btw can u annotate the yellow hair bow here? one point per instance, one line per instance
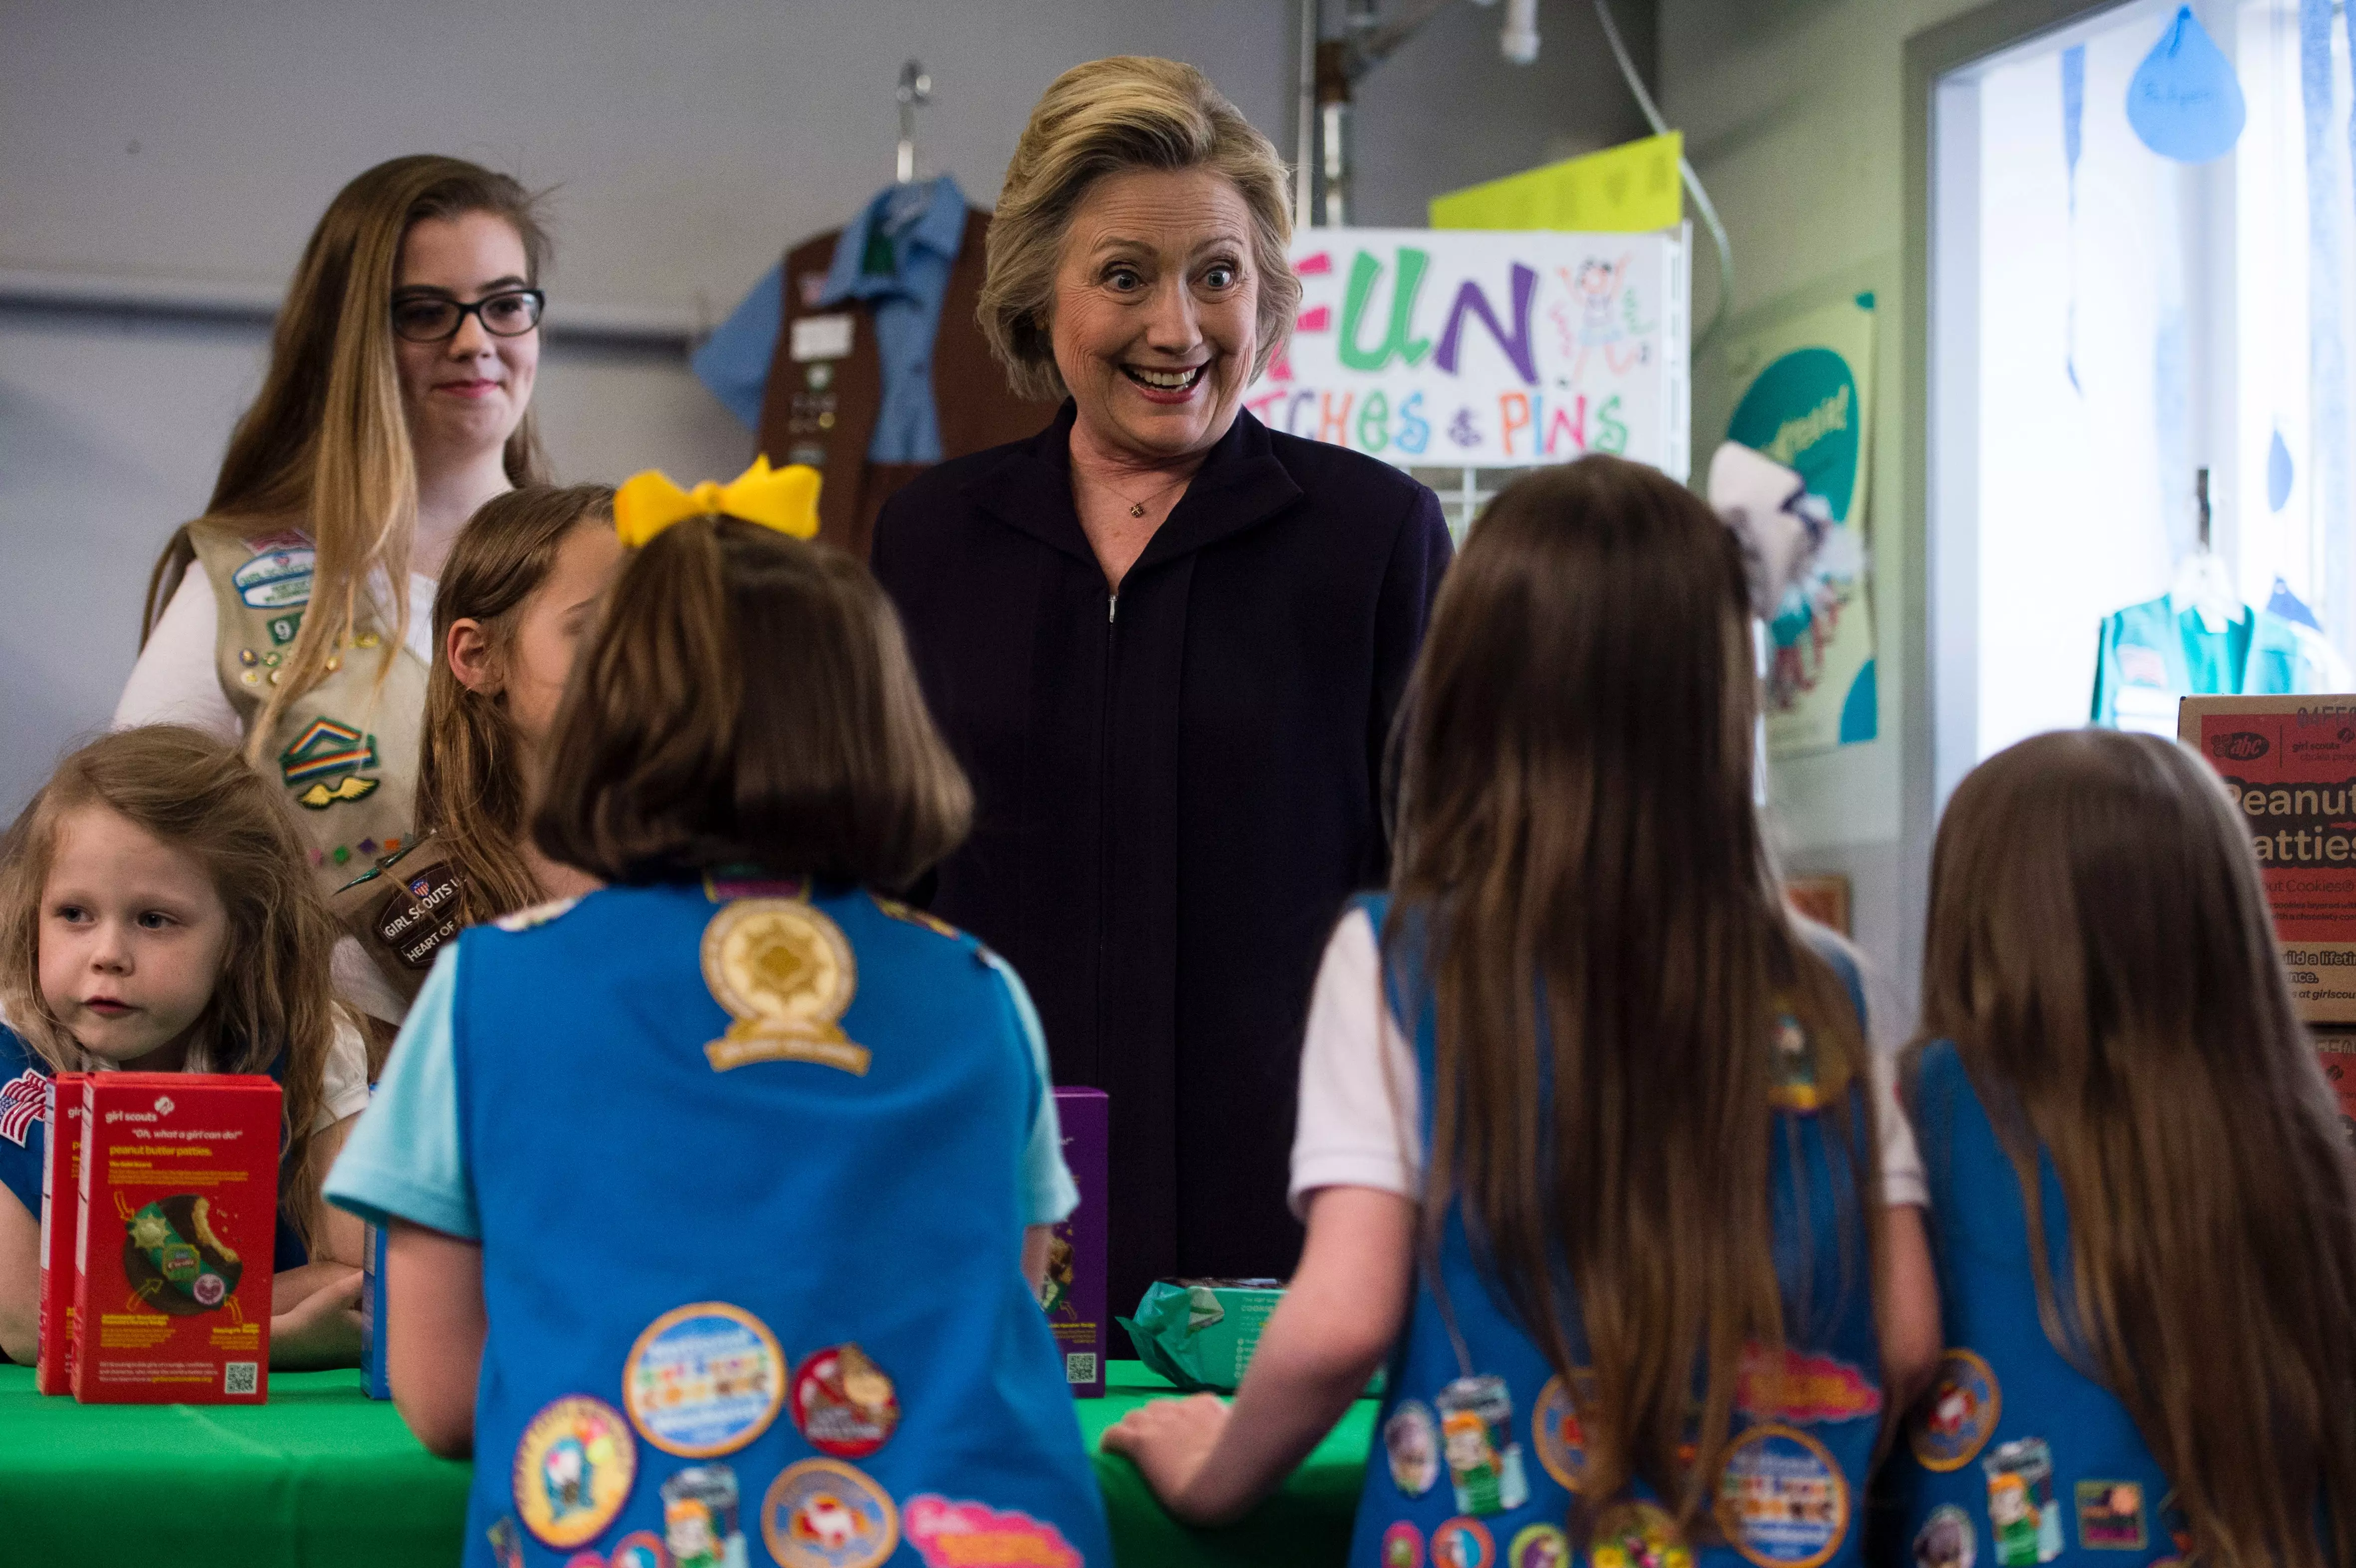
(785, 500)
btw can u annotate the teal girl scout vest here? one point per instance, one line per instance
(2015, 1457)
(747, 1169)
(1481, 1452)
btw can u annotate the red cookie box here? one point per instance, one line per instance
(2336, 1049)
(2289, 764)
(173, 1250)
(60, 1215)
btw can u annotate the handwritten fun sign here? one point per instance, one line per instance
(1479, 350)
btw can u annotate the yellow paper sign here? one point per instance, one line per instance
(1622, 189)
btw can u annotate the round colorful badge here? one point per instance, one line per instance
(572, 1470)
(1539, 1546)
(1411, 1443)
(1946, 1539)
(1954, 1421)
(1464, 1542)
(703, 1380)
(1783, 1502)
(1556, 1433)
(822, 1514)
(1638, 1535)
(1402, 1546)
(843, 1403)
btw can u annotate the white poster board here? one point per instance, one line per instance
(1473, 349)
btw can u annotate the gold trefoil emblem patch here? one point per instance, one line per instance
(786, 974)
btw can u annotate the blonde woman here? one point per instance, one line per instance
(397, 401)
(1165, 642)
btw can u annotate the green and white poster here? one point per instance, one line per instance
(1805, 400)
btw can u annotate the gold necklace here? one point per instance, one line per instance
(1137, 509)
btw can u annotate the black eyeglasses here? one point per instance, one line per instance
(432, 318)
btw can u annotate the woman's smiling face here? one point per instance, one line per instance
(1156, 315)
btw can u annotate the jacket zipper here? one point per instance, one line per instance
(1104, 816)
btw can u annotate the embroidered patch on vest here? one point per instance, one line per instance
(1539, 1546)
(419, 913)
(1411, 1444)
(1638, 1535)
(1809, 1389)
(277, 578)
(1462, 1543)
(1952, 1422)
(785, 973)
(821, 1513)
(1476, 1434)
(1783, 1502)
(1402, 1546)
(2110, 1515)
(1556, 1431)
(1946, 1539)
(639, 1549)
(2022, 1515)
(703, 1380)
(844, 1405)
(328, 757)
(572, 1470)
(700, 1520)
(963, 1535)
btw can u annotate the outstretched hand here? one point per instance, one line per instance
(1169, 1442)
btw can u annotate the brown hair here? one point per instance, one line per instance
(325, 443)
(1575, 832)
(2101, 953)
(194, 794)
(471, 788)
(1131, 111)
(748, 700)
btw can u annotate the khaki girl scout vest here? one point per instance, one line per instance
(347, 751)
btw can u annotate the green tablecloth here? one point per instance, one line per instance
(322, 1474)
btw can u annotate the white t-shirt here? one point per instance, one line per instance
(177, 678)
(1361, 1122)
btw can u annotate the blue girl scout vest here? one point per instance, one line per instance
(746, 1165)
(2015, 1457)
(1481, 1452)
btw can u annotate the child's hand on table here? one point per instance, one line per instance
(322, 1329)
(1168, 1441)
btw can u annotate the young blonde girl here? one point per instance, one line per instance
(1587, 1150)
(2142, 1201)
(735, 1104)
(156, 915)
(520, 589)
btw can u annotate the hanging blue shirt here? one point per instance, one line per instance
(2149, 654)
(908, 235)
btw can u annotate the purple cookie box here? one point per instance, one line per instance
(1077, 1262)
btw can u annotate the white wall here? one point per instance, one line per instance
(688, 143)
(1791, 110)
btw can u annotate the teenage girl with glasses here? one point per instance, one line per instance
(398, 400)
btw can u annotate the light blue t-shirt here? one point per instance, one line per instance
(405, 1159)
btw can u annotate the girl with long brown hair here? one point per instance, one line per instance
(520, 589)
(155, 915)
(397, 400)
(2141, 1198)
(1588, 1149)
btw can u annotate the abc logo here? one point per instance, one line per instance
(2240, 746)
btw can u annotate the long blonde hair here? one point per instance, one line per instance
(1609, 956)
(325, 443)
(471, 789)
(2101, 953)
(272, 995)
